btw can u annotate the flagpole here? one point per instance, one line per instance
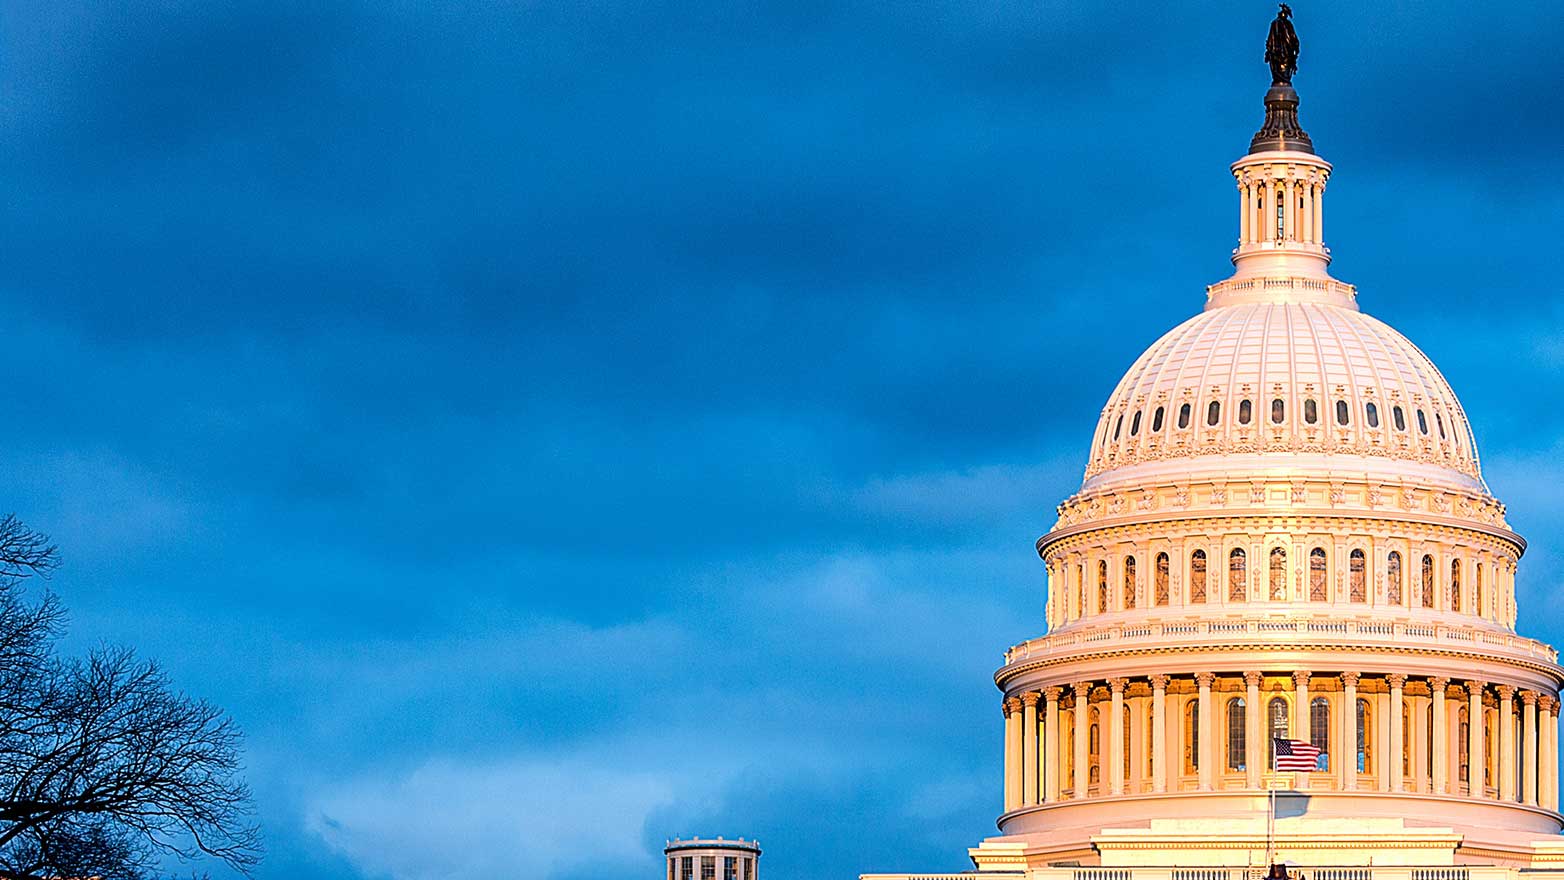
(1270, 813)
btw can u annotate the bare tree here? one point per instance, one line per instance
(105, 770)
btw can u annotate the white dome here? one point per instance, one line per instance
(1303, 385)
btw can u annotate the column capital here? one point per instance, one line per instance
(1396, 679)
(1506, 691)
(1030, 698)
(1301, 679)
(1204, 679)
(1439, 683)
(1082, 689)
(1529, 698)
(1350, 679)
(1474, 685)
(1160, 681)
(1252, 679)
(1546, 703)
(1052, 692)
(1011, 705)
(1117, 685)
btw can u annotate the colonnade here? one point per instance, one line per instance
(1285, 209)
(1209, 731)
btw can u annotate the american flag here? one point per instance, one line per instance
(1292, 754)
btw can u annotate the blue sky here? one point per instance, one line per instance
(553, 427)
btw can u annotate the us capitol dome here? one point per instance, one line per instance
(1283, 535)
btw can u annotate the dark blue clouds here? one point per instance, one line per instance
(660, 400)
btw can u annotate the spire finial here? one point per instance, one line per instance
(1281, 130)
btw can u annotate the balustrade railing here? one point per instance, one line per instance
(1266, 629)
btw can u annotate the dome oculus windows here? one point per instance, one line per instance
(1311, 412)
(1135, 424)
(1342, 413)
(1245, 412)
(1278, 411)
(1372, 413)
(1214, 413)
(1183, 417)
(1399, 418)
(1422, 423)
(1156, 420)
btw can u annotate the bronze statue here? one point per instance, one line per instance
(1281, 48)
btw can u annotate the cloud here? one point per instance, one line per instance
(451, 819)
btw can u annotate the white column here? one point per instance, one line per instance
(1307, 226)
(1529, 746)
(1319, 218)
(1349, 731)
(1506, 742)
(1116, 735)
(1245, 208)
(1289, 211)
(1012, 708)
(1300, 715)
(1082, 692)
(1476, 757)
(1547, 757)
(1053, 762)
(1270, 228)
(1441, 735)
(1420, 757)
(1029, 748)
(1255, 740)
(1203, 682)
(1397, 735)
(1159, 732)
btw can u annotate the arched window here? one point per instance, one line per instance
(1197, 577)
(1237, 576)
(1162, 579)
(1440, 421)
(1067, 737)
(1135, 424)
(1455, 585)
(1393, 578)
(1192, 737)
(1156, 420)
(1406, 741)
(1236, 728)
(1214, 413)
(1080, 590)
(1319, 730)
(1422, 422)
(1093, 749)
(1127, 749)
(1280, 724)
(1129, 582)
(1245, 412)
(1278, 411)
(1118, 426)
(1372, 411)
(1428, 582)
(1319, 589)
(1478, 585)
(1463, 749)
(1102, 587)
(1183, 417)
(1278, 574)
(1311, 411)
(1341, 413)
(1357, 576)
(1365, 738)
(1399, 417)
